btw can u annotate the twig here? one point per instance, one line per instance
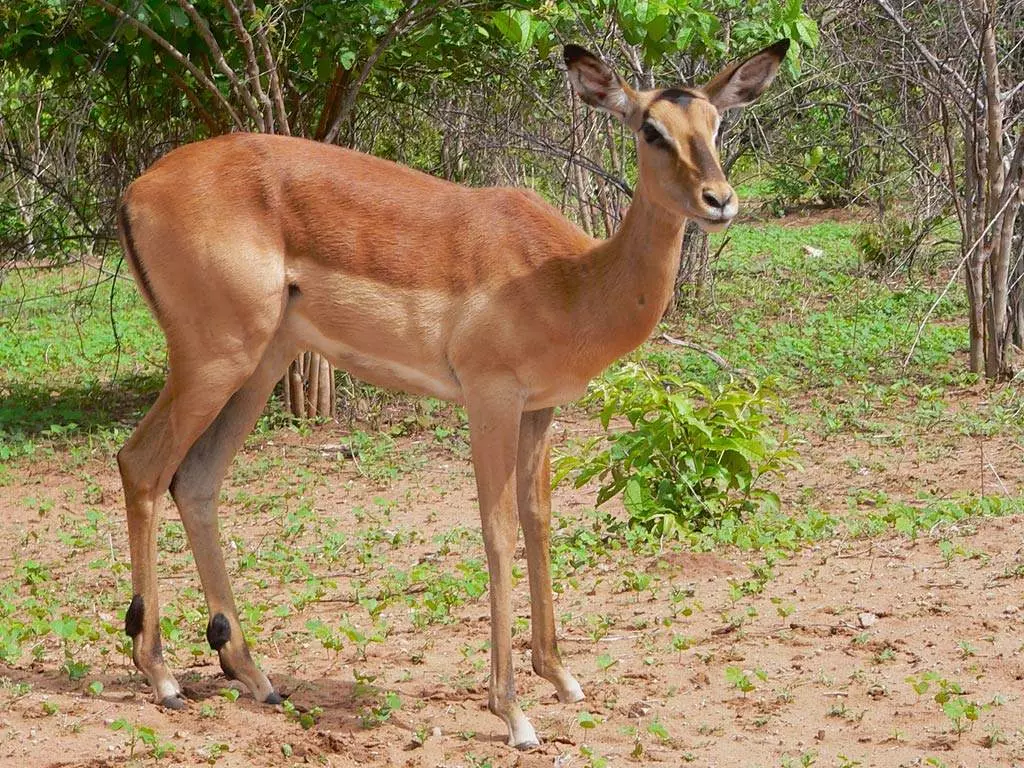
(942, 69)
(178, 56)
(253, 70)
(406, 20)
(716, 358)
(222, 64)
(271, 65)
(949, 284)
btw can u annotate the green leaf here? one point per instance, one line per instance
(807, 31)
(656, 728)
(178, 17)
(634, 496)
(657, 27)
(515, 26)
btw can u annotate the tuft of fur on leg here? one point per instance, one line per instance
(133, 617)
(218, 631)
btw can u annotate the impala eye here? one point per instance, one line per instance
(654, 136)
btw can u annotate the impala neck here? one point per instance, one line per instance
(641, 261)
(649, 233)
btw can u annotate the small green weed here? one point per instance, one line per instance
(949, 695)
(380, 712)
(145, 736)
(306, 718)
(740, 679)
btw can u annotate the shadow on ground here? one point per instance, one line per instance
(51, 410)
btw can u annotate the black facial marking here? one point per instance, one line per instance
(705, 160)
(133, 618)
(678, 95)
(218, 631)
(653, 136)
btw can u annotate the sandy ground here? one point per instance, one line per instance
(826, 648)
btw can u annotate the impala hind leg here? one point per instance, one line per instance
(494, 431)
(186, 406)
(196, 488)
(533, 473)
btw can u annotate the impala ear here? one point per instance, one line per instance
(598, 84)
(743, 81)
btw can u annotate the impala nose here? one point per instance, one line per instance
(716, 199)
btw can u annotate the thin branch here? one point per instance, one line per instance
(942, 69)
(178, 56)
(270, 63)
(222, 63)
(406, 20)
(716, 358)
(251, 67)
(204, 114)
(949, 284)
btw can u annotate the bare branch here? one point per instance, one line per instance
(221, 63)
(407, 20)
(178, 56)
(251, 67)
(271, 64)
(716, 358)
(949, 284)
(943, 70)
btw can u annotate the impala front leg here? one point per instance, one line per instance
(534, 483)
(494, 416)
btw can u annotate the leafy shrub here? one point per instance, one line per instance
(693, 456)
(820, 176)
(888, 246)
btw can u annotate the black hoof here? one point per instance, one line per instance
(526, 746)
(274, 698)
(173, 702)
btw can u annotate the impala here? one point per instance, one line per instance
(248, 248)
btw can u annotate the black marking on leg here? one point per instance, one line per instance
(218, 631)
(293, 290)
(133, 618)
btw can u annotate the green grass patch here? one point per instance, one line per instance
(818, 318)
(80, 355)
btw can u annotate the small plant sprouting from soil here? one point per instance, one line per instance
(144, 736)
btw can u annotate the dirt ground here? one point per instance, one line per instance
(813, 670)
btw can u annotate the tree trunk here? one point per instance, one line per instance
(1015, 332)
(693, 266)
(975, 299)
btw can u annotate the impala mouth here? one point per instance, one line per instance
(710, 224)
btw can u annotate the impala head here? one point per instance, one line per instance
(676, 128)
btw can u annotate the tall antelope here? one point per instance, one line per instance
(248, 248)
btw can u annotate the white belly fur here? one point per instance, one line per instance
(375, 367)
